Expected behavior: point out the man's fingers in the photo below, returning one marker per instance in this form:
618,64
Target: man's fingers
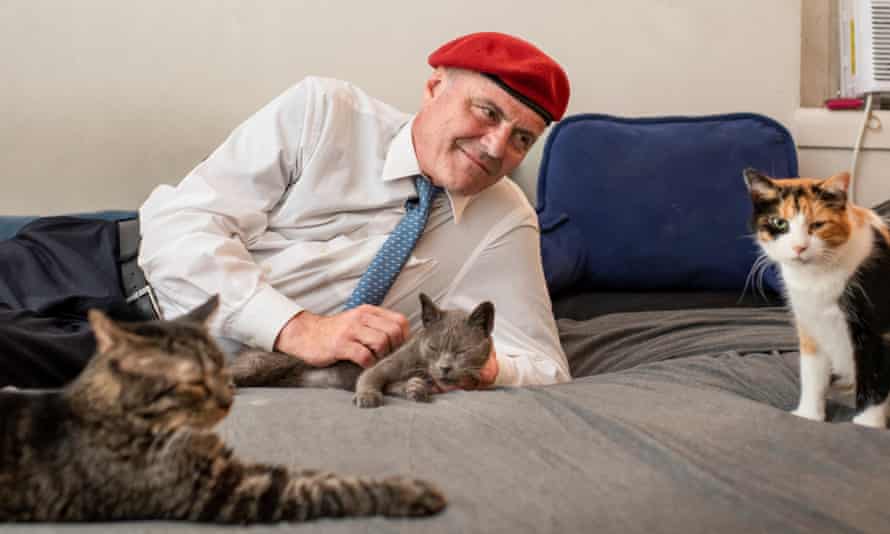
361,335
391,329
375,340
358,353
395,318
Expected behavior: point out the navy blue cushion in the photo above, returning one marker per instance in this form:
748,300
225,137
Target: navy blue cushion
11,224
654,203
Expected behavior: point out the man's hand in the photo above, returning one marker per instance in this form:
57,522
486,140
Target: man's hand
489,371
362,335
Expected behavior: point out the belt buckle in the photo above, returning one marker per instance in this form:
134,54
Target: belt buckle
153,301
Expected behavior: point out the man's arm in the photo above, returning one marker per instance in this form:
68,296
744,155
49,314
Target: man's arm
195,240
509,273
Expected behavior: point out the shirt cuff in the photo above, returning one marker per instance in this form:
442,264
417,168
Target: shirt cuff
506,370
259,321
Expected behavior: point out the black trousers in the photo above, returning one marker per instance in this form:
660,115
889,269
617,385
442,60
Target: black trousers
51,274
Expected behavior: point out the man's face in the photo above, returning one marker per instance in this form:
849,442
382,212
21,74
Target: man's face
469,132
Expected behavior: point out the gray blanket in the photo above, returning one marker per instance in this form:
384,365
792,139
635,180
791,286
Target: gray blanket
681,426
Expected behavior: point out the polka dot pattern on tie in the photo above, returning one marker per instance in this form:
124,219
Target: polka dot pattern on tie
386,265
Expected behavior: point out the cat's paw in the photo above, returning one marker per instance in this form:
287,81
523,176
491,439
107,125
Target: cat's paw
417,390
809,414
873,417
368,399
412,497
418,395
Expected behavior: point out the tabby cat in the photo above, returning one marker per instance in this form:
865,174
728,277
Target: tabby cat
130,438
834,258
449,351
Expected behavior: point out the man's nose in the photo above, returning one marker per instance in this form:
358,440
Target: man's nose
495,141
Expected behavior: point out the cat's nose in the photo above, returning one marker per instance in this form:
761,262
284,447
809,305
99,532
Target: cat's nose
799,249
444,368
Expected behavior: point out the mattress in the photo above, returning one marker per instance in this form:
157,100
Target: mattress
677,422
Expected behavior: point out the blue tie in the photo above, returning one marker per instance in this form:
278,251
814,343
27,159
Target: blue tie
388,262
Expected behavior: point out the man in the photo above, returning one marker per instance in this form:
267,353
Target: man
283,219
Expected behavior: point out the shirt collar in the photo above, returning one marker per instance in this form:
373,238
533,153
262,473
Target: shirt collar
401,163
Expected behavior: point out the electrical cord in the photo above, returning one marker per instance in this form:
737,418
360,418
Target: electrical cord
858,146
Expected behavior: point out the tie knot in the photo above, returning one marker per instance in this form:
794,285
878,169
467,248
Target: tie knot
426,191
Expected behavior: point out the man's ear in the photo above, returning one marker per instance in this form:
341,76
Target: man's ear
434,84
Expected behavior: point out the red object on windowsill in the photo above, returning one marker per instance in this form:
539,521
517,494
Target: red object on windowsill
835,104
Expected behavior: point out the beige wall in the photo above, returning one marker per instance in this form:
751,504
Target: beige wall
100,100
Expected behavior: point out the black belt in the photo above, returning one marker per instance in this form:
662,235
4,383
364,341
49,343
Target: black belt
136,289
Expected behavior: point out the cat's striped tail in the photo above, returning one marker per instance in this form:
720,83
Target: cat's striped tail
262,493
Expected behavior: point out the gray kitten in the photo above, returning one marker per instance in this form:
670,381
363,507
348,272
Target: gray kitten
450,350
130,438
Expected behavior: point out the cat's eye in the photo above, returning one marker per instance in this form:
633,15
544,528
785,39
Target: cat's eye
815,225
164,392
778,223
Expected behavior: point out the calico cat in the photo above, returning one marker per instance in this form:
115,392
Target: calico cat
130,438
450,350
834,258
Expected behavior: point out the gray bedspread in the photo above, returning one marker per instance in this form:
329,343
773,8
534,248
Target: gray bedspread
682,426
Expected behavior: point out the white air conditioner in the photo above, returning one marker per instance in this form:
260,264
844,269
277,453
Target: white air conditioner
865,46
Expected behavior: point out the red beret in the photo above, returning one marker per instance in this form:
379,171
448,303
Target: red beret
518,66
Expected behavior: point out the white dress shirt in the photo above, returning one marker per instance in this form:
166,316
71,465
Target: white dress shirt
290,210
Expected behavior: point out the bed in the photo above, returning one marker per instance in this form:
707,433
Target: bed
676,421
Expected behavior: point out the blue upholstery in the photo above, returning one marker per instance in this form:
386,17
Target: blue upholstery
654,203
11,224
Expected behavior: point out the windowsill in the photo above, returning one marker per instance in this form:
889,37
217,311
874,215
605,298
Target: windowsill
823,128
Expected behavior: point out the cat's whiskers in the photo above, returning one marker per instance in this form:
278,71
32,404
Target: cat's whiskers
755,276
829,257
761,272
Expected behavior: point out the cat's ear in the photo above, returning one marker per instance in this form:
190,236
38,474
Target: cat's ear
202,313
759,185
429,312
104,329
835,188
483,317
